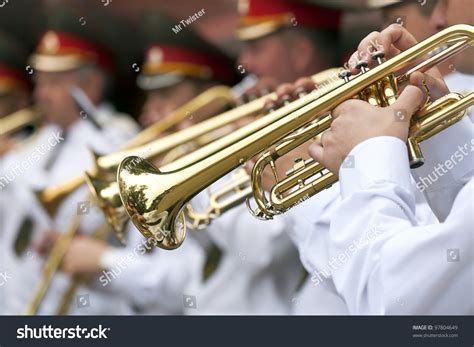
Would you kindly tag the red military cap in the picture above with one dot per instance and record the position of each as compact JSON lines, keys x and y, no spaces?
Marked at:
{"x":174,"y":62}
{"x":60,"y":51}
{"x":171,"y":56}
{"x":70,"y":41}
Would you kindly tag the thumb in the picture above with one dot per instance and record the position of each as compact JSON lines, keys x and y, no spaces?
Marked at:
{"x":409,"y":101}
{"x":436,"y":85}
{"x":316,"y":151}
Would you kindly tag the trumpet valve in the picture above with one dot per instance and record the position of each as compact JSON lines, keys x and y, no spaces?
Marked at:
{"x":286,"y":100}
{"x":345,"y":74}
{"x":300,"y":92}
{"x":270,"y":106}
{"x":378,"y":55}
{"x":362,"y":65}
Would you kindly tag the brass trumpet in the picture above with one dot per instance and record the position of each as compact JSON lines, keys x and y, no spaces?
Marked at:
{"x":220,"y":201}
{"x":308,"y":177}
{"x":51,"y":198}
{"x":105,"y":191}
{"x":18,"y":120}
{"x":212,"y":99}
{"x":155,"y":198}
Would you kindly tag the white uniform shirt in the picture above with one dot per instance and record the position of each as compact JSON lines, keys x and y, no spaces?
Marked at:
{"x":309,"y":233}
{"x":69,"y":158}
{"x":312,"y":219}
{"x":403,"y":267}
{"x":258,"y":271}
{"x":311,"y":222}
{"x":257,"y":274}
{"x":154,"y":281}
{"x":449,"y":159}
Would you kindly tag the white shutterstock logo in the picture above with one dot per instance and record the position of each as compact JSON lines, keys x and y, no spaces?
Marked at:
{"x":189,"y":301}
{"x":4,"y":277}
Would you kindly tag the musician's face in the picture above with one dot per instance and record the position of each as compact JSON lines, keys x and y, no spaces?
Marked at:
{"x":268,"y":56}
{"x":412,"y":17}
{"x":161,"y":102}
{"x":451,"y":12}
{"x":51,"y":93}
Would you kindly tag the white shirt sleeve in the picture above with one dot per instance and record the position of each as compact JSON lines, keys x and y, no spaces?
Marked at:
{"x":153,"y":281}
{"x":387,"y":262}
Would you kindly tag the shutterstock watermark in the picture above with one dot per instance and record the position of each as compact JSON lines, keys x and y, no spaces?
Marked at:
{"x":335,"y":262}
{"x":4,"y":278}
{"x":48,"y":332}
{"x":189,"y":301}
{"x":35,"y":155}
{"x":441,"y":169}
{"x":327,"y":85}
{"x":128,"y":259}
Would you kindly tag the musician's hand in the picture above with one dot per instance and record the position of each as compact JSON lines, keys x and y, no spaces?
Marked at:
{"x":264,"y":85}
{"x":288,"y":92}
{"x":393,"y":40}
{"x":45,"y":242}
{"x":436,"y":85}
{"x":6,"y":144}
{"x":83,"y":255}
{"x":356,"y":121}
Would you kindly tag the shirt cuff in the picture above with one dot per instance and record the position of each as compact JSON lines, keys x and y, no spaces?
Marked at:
{"x":377,"y":160}
{"x":110,"y":258}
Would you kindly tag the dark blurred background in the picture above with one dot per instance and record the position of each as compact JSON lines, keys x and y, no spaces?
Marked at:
{"x":25,"y":19}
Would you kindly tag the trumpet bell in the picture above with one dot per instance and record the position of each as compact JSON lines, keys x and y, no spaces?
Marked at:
{"x":147,"y":195}
{"x":52,"y":198}
{"x":106,"y":195}
{"x":155,"y":199}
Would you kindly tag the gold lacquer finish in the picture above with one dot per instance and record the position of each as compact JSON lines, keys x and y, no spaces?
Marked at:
{"x":174,"y":146}
{"x":220,"y":201}
{"x":305,"y":179}
{"x":155,"y":198}
{"x":214,"y":98}
{"x":308,"y":177}
{"x":19,"y":120}
{"x":105,"y":190}
{"x":51,"y":198}
{"x":434,"y":118}
{"x":106,"y":194}
{"x":51,"y":266}
{"x":239,"y":187}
